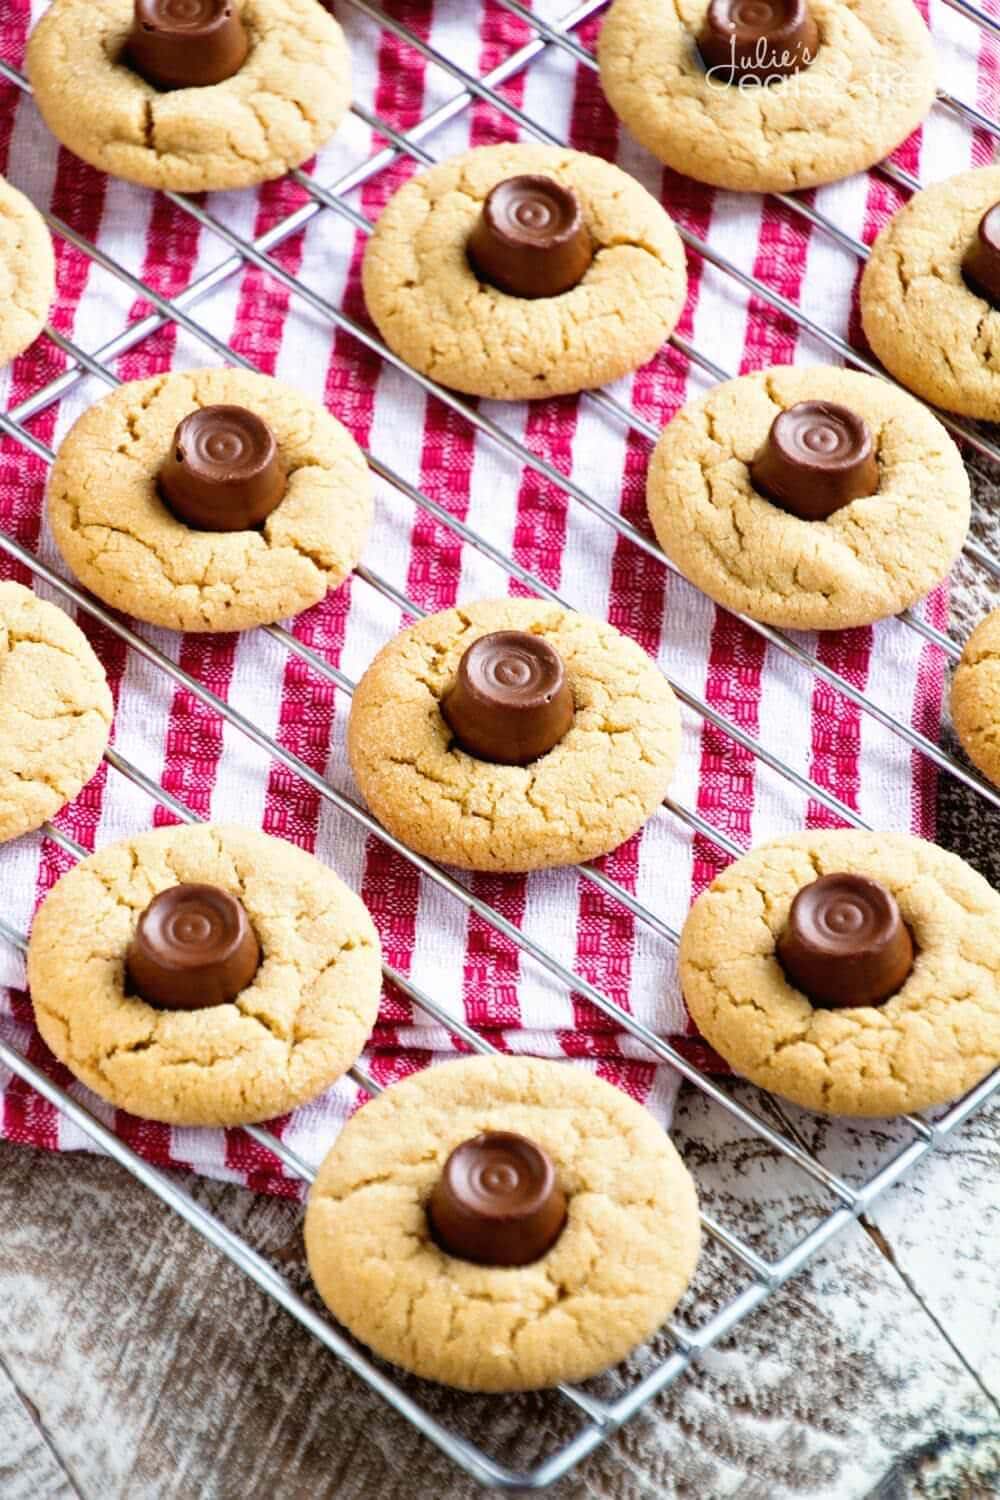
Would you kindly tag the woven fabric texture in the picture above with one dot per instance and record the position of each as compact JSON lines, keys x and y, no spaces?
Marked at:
{"x":457,"y":957}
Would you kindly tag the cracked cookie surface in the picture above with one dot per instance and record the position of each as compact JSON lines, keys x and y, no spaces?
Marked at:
{"x":870,"y":85}
{"x":928,"y":1043}
{"x":289,"y":1035}
{"x":124,"y":544}
{"x":284,"y":102}
{"x":868,"y":560}
{"x":583,"y":798}
{"x":433,"y":311}
{"x":926,"y":324}
{"x":612,"y":1277}
{"x":57,"y":711}
{"x":975,"y":697}
{"x":27,"y":272}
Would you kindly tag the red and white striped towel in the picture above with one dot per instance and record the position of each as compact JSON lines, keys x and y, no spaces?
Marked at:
{"x":459,"y":959}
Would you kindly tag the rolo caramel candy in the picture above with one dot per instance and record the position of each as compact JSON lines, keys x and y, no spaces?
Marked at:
{"x":193,"y":947}
{"x":510,"y":702}
{"x":757,"y":40}
{"x":530,"y":239}
{"x":846,"y":943}
{"x":982,"y":259}
{"x":817,"y":458}
{"x":497,"y":1201}
{"x":223,"y":471}
{"x":179,"y":44}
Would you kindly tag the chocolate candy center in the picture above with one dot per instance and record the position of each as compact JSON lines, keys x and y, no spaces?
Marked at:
{"x":510,"y":702}
{"x":817,"y":458}
{"x":982,"y":260}
{"x":757,"y":40}
{"x":497,"y":1201}
{"x":224,"y":472}
{"x":179,"y":44}
{"x":530,"y":239}
{"x":846,"y":943}
{"x":193,"y":947}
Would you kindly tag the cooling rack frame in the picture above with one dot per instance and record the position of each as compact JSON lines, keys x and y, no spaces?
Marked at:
{"x":599,"y":1418}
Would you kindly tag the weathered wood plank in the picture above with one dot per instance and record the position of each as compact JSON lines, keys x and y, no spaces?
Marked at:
{"x":29,"y":1468}
{"x":159,"y":1371}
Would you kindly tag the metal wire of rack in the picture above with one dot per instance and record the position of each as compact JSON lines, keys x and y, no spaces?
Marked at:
{"x":600,"y":1418}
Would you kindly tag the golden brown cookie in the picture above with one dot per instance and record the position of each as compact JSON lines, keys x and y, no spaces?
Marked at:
{"x":612,"y":1277}
{"x":285,"y":101}
{"x":433,"y":311}
{"x":975,"y":697}
{"x":125,"y":545}
{"x":27,"y":272}
{"x":871,"y":83}
{"x":929,"y":1042}
{"x":869,"y":559}
{"x":586,"y":796}
{"x":927,"y":325}
{"x":56,"y":711}
{"x":289,"y":1035}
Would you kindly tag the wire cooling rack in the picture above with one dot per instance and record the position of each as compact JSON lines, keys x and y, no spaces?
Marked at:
{"x":759,"y":1275}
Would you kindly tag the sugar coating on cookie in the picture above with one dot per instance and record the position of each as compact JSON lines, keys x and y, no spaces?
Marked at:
{"x":289,"y":1035}
{"x":612,"y":1277}
{"x":869,"y":559}
{"x":870,"y":84}
{"x":27,"y":272}
{"x":927,"y":325}
{"x":433,"y":311}
{"x":115,"y":532}
{"x":975,"y":697}
{"x":57,"y":711}
{"x":285,"y":101}
{"x":934,"y":1038}
{"x":583,"y":798}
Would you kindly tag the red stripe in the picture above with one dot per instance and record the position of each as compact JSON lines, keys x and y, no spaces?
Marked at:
{"x":492,"y":966}
{"x":29,"y":1119}
{"x":928,"y":696}
{"x":262,"y":310}
{"x":291,"y":809}
{"x":171,"y":250}
{"x":633,"y":1078}
{"x":987,"y":88}
{"x":500,"y":34}
{"x":78,"y":198}
{"x":835,"y":762}
{"x":390,"y":886}
{"x":737,"y":654}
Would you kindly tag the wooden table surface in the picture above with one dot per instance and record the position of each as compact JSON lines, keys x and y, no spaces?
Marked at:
{"x":136,"y":1362}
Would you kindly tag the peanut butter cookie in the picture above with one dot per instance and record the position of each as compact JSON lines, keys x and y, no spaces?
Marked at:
{"x":288,"y":1034}
{"x":111,"y":524}
{"x":936,"y":1034}
{"x":975,"y":697}
{"x":930,"y":327}
{"x":588,"y":793}
{"x":56,"y":711}
{"x":436,"y":312}
{"x":27,"y":273}
{"x":868,"y":85}
{"x":612,"y":1276}
{"x":867,"y":559}
{"x":280,"y":105}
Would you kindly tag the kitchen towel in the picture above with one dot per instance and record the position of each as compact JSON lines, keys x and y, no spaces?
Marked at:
{"x":455,"y":955}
